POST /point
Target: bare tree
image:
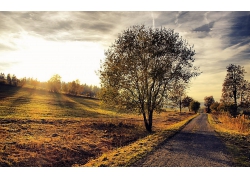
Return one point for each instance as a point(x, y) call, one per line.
point(141, 67)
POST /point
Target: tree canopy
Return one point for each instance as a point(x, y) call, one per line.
point(208, 101)
point(195, 106)
point(141, 68)
point(186, 102)
point(55, 83)
point(234, 83)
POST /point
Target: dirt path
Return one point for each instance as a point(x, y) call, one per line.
point(196, 146)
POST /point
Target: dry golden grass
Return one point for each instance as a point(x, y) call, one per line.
point(126, 156)
point(235, 133)
point(38, 128)
point(238, 125)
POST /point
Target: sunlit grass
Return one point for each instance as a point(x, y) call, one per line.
point(126, 156)
point(39, 128)
point(37, 104)
point(226, 123)
point(235, 134)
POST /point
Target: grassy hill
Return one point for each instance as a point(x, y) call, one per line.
point(39, 128)
point(22, 103)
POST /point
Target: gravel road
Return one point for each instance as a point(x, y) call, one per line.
point(196, 145)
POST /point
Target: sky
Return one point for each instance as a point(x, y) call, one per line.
point(39, 44)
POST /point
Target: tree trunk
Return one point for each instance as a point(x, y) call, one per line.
point(235, 100)
point(148, 121)
point(180, 105)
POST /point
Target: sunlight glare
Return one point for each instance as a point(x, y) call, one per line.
point(40, 58)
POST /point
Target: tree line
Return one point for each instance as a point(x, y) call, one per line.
point(235, 97)
point(54, 84)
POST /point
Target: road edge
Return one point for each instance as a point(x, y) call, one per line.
point(129, 155)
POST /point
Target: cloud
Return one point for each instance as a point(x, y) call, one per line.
point(206, 28)
point(4, 47)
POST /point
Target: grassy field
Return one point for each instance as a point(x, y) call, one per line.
point(39, 128)
point(235, 133)
point(128, 155)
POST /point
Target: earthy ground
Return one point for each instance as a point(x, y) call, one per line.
point(196, 146)
point(38, 128)
point(66, 142)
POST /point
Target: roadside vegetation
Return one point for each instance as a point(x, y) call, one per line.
point(230, 116)
point(235, 133)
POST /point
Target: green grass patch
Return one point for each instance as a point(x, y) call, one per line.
point(127, 155)
point(237, 143)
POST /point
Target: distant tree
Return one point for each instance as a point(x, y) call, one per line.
point(2, 78)
point(195, 106)
point(141, 67)
point(9, 79)
point(215, 107)
point(55, 83)
point(95, 91)
point(208, 101)
point(65, 87)
point(14, 80)
point(233, 83)
point(186, 102)
point(245, 93)
point(72, 88)
point(177, 92)
point(22, 82)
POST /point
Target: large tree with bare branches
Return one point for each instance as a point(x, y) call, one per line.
point(142, 67)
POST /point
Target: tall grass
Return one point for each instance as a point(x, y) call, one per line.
point(238, 124)
point(235, 134)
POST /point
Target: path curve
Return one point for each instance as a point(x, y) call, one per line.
point(196, 145)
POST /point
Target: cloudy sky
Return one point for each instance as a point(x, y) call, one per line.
point(72, 43)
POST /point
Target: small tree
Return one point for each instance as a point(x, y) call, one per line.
point(55, 83)
point(209, 100)
point(14, 80)
point(141, 67)
point(186, 102)
point(2, 78)
point(9, 79)
point(176, 94)
point(195, 106)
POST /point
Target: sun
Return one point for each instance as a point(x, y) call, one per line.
point(40, 59)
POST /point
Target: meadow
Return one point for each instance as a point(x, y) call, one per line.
point(40, 128)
